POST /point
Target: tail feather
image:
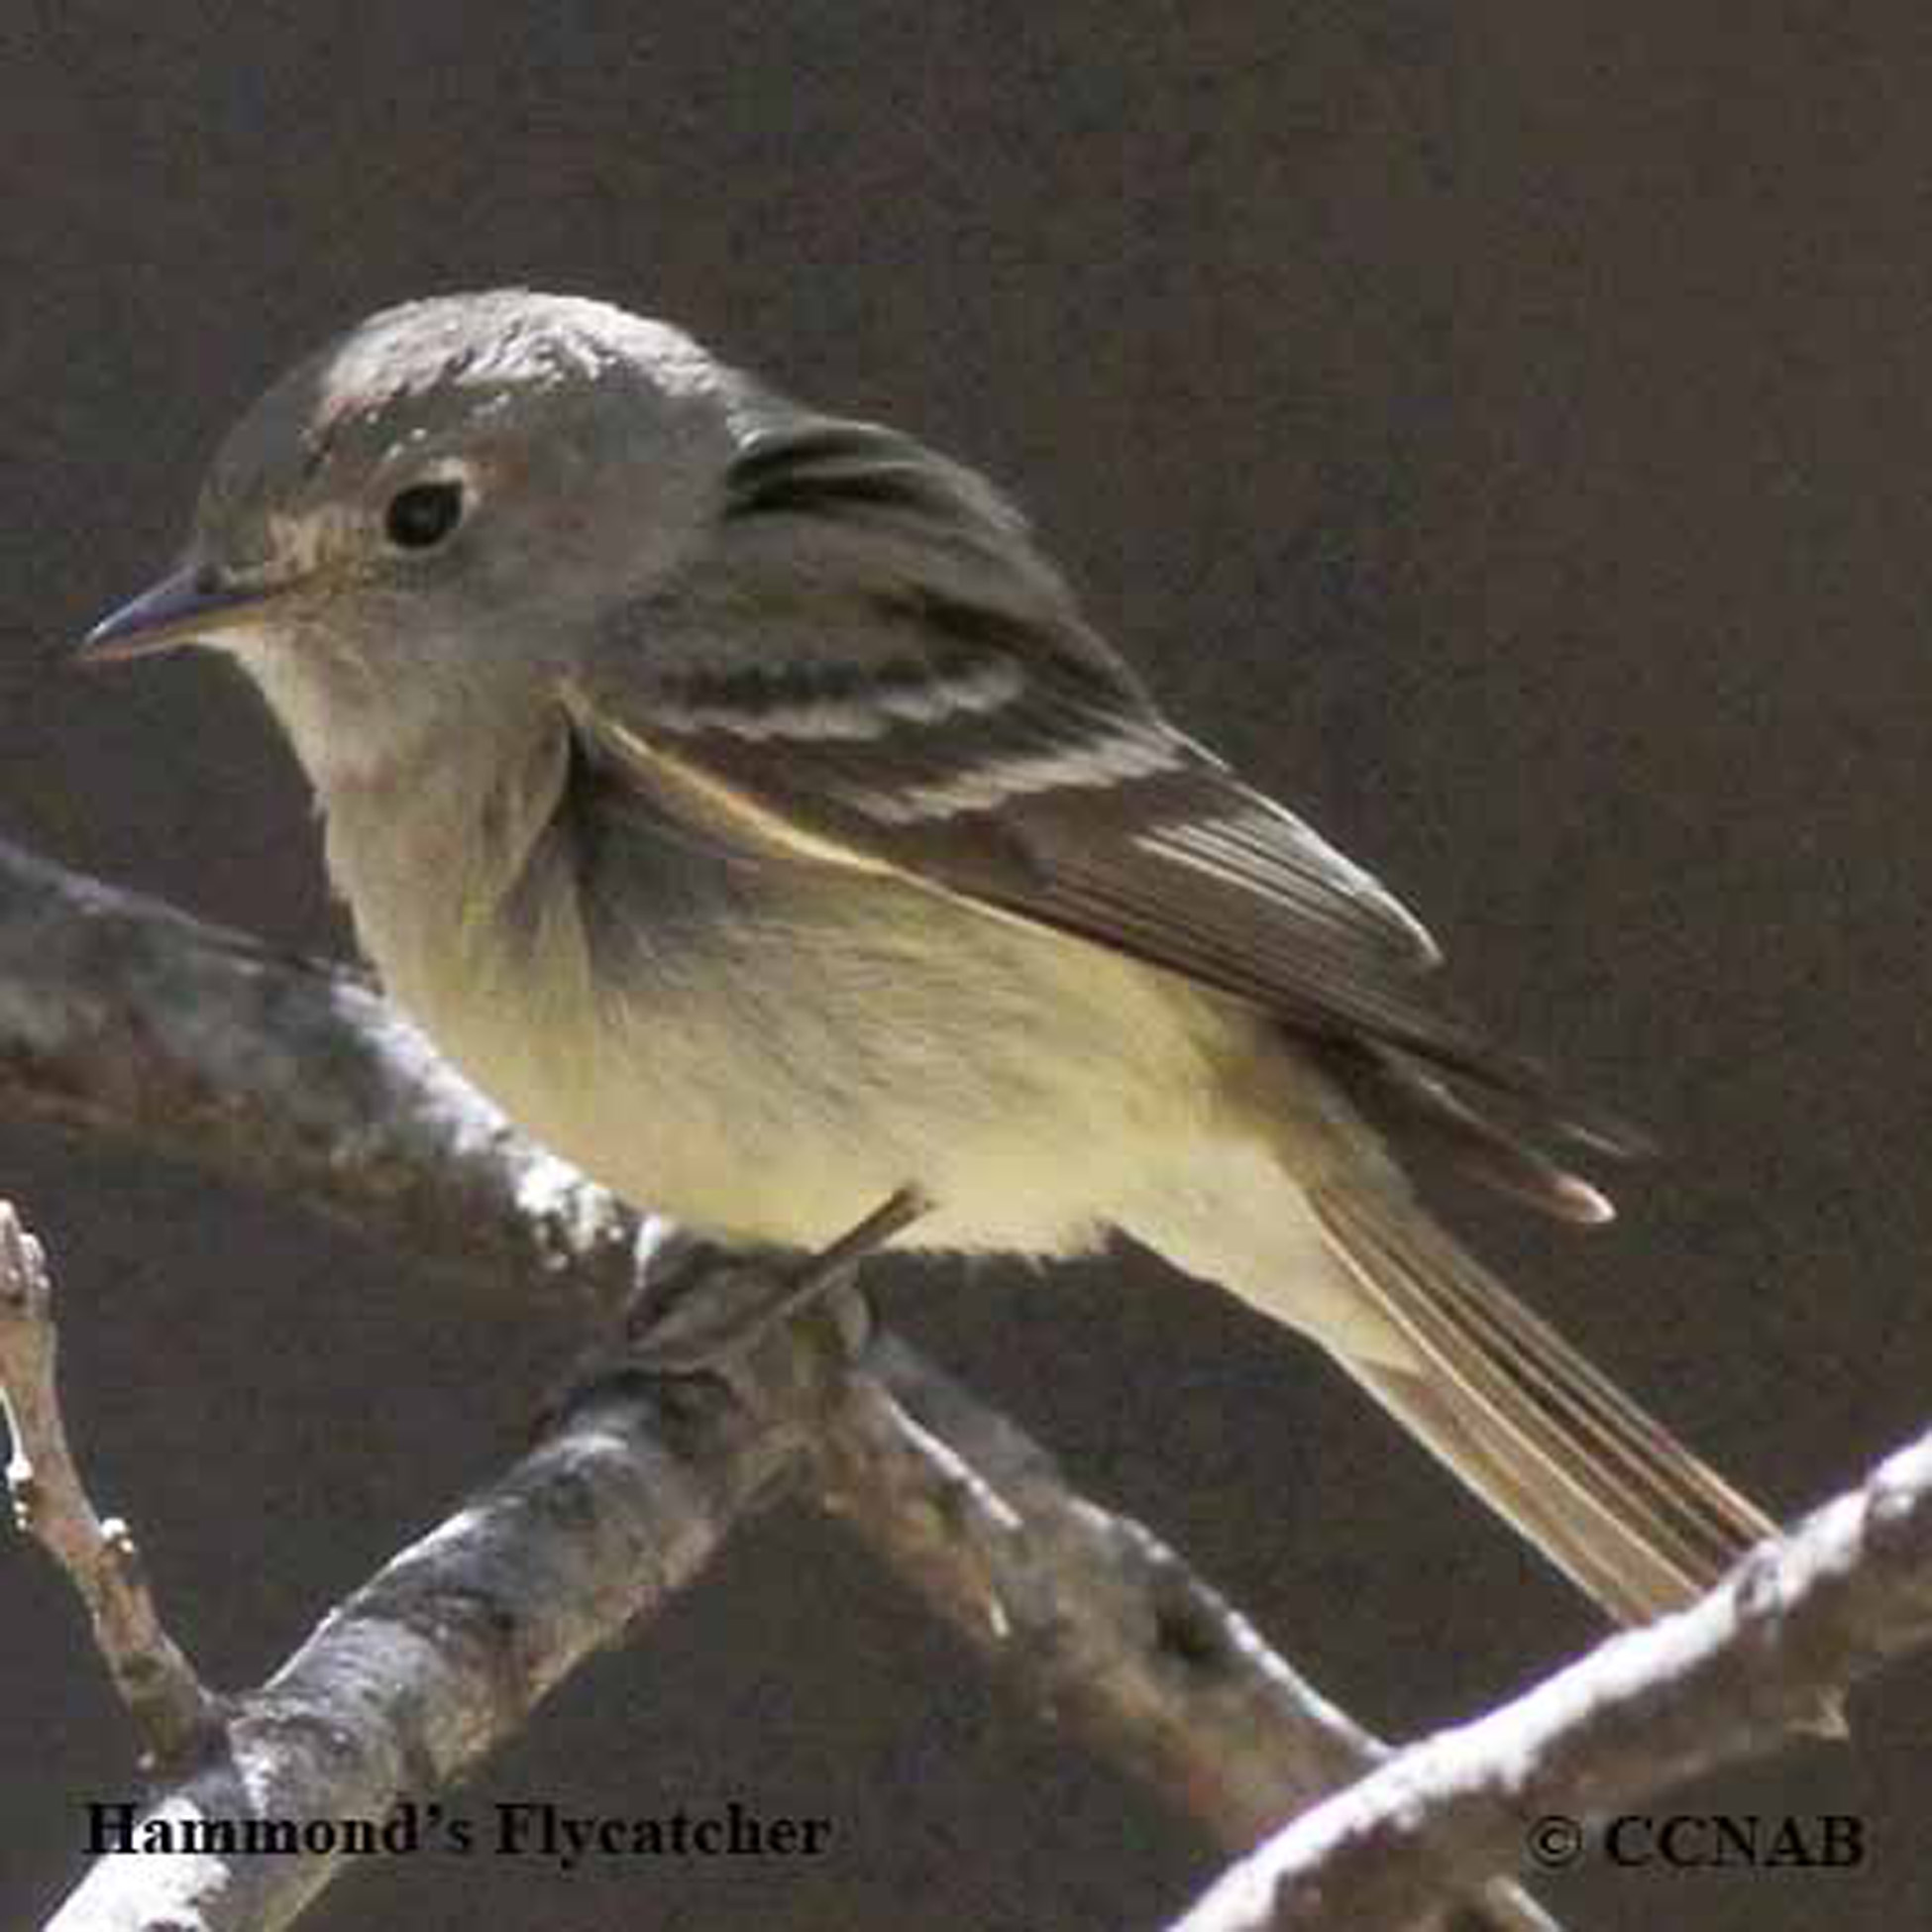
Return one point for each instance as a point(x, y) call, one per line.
point(1605, 1492)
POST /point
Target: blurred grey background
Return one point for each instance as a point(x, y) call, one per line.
point(1504, 430)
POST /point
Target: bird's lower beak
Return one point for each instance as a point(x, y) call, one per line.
point(191, 606)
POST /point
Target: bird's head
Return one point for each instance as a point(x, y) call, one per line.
point(437, 500)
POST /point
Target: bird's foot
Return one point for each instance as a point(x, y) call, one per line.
point(705, 1310)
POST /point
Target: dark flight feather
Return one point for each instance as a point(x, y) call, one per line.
point(922, 697)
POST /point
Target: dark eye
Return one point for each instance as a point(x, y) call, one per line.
point(421, 516)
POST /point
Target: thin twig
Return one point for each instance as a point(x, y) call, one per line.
point(171, 1711)
point(441, 1657)
point(1094, 1618)
point(1733, 1676)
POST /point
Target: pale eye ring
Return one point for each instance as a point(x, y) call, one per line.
point(423, 515)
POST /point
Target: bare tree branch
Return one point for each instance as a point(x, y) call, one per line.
point(121, 1017)
point(1092, 1616)
point(441, 1657)
point(1733, 1676)
point(171, 1709)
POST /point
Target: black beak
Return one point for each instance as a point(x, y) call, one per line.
point(191, 606)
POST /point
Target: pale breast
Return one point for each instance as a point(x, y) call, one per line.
point(769, 1049)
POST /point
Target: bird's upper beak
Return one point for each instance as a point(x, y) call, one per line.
point(191, 606)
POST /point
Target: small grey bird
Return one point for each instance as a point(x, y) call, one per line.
point(739, 798)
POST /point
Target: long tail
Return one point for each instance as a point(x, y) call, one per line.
point(1606, 1493)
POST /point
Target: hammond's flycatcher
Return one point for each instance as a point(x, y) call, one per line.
point(738, 796)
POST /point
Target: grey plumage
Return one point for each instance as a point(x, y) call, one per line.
point(741, 798)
